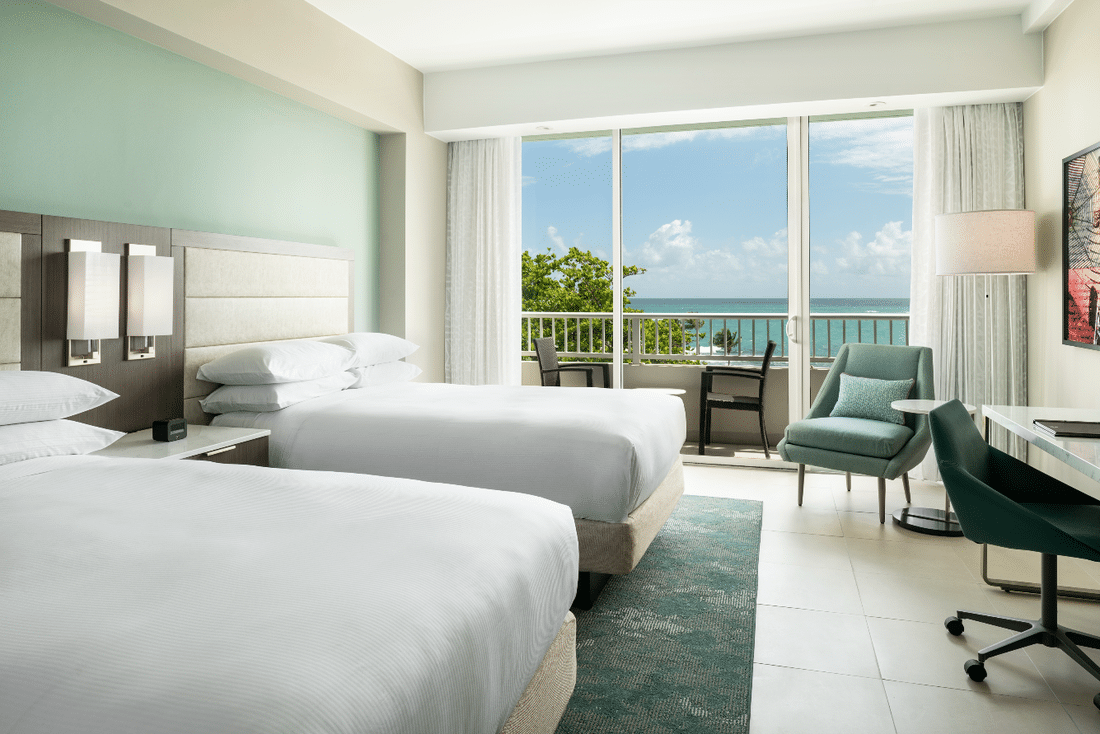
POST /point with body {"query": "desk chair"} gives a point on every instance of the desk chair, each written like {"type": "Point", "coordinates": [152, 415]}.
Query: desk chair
{"type": "Point", "coordinates": [710, 399]}
{"type": "Point", "coordinates": [550, 369]}
{"type": "Point", "coordinates": [1003, 501]}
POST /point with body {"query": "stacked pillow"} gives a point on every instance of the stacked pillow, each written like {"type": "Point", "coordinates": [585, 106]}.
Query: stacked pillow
{"type": "Point", "coordinates": [377, 357]}
{"type": "Point", "coordinates": [32, 408]}
{"type": "Point", "coordinates": [269, 377]}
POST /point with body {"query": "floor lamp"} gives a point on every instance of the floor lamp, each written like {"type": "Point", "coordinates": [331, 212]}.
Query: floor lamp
{"type": "Point", "coordinates": [997, 242]}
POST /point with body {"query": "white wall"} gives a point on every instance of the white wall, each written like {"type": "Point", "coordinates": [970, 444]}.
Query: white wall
{"type": "Point", "coordinates": [945, 63]}
{"type": "Point", "coordinates": [1059, 120]}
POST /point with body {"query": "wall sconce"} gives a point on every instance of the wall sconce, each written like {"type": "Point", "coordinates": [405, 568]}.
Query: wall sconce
{"type": "Point", "coordinates": [149, 281]}
{"type": "Point", "coordinates": [93, 300]}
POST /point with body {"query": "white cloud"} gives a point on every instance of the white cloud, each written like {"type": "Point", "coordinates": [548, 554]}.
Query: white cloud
{"type": "Point", "coordinates": [776, 246]}
{"type": "Point", "coordinates": [887, 254]}
{"type": "Point", "coordinates": [674, 252]}
{"type": "Point", "coordinates": [552, 233]}
{"type": "Point", "coordinates": [528, 180]}
{"type": "Point", "coordinates": [883, 145]}
{"type": "Point", "coordinates": [588, 147]}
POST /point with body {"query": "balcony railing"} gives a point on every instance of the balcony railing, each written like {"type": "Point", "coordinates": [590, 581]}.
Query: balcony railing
{"type": "Point", "coordinates": [698, 337]}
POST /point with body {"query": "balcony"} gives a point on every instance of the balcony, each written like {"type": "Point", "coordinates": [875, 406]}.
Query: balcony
{"type": "Point", "coordinates": [670, 349]}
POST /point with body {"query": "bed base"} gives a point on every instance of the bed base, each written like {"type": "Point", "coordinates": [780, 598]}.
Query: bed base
{"type": "Point", "coordinates": [616, 547]}
{"type": "Point", "coordinates": [543, 702]}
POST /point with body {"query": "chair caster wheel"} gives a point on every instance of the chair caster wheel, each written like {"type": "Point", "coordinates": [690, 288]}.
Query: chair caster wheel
{"type": "Point", "coordinates": [1096, 700]}
{"type": "Point", "coordinates": [975, 670]}
{"type": "Point", "coordinates": [954, 625]}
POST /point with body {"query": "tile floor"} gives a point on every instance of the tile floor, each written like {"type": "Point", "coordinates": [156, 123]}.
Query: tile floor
{"type": "Point", "coordinates": [850, 634]}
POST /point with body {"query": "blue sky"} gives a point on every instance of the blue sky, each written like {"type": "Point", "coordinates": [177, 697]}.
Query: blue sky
{"type": "Point", "coordinates": [704, 211]}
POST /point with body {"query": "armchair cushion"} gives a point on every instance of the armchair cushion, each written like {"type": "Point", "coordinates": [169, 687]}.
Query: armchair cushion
{"type": "Point", "coordinates": [866, 397]}
{"type": "Point", "coordinates": [860, 436]}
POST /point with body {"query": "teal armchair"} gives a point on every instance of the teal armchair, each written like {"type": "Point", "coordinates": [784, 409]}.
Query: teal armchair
{"type": "Point", "coordinates": [861, 445]}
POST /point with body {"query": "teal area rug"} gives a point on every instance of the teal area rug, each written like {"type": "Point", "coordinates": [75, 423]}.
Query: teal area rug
{"type": "Point", "coordinates": [668, 647]}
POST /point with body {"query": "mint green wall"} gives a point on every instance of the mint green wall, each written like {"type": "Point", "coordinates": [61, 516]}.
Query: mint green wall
{"type": "Point", "coordinates": [96, 124]}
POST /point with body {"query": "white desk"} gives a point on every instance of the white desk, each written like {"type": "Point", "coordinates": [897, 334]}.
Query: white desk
{"type": "Point", "coordinates": [1083, 454]}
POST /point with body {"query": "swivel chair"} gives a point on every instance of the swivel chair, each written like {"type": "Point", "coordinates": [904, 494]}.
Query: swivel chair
{"type": "Point", "coordinates": [1002, 501]}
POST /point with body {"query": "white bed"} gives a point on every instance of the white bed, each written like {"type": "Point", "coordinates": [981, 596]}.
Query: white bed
{"type": "Point", "coordinates": [601, 452]}
{"type": "Point", "coordinates": [176, 596]}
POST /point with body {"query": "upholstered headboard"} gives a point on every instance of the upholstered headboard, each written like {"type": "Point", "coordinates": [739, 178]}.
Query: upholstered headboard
{"type": "Point", "coordinates": [11, 275]}
{"type": "Point", "coordinates": [240, 291]}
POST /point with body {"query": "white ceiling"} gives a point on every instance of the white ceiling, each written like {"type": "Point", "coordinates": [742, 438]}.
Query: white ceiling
{"type": "Point", "coordinates": [437, 35]}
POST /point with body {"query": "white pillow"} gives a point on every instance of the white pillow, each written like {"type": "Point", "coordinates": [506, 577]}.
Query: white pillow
{"type": "Point", "coordinates": [267, 398]}
{"type": "Point", "coordinates": [384, 374]}
{"type": "Point", "coordinates": [29, 396]}
{"type": "Point", "coordinates": [374, 348]}
{"type": "Point", "coordinates": [266, 364]}
{"type": "Point", "coordinates": [22, 441]}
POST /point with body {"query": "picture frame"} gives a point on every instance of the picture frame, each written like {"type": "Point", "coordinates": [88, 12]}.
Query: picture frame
{"type": "Point", "coordinates": [1081, 248]}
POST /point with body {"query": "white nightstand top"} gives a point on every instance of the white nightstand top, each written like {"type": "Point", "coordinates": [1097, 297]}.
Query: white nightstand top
{"type": "Point", "coordinates": [199, 440]}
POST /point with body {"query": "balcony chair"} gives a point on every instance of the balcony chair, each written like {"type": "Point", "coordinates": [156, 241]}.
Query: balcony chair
{"type": "Point", "coordinates": [851, 426]}
{"type": "Point", "coordinates": [710, 399]}
{"type": "Point", "coordinates": [550, 369]}
{"type": "Point", "coordinates": [1003, 501]}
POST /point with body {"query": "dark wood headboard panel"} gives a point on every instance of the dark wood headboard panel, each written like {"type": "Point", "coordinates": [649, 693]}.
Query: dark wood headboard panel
{"type": "Point", "coordinates": [148, 390]}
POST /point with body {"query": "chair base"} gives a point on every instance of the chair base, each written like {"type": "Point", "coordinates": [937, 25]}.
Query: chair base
{"type": "Point", "coordinates": [1044, 631]}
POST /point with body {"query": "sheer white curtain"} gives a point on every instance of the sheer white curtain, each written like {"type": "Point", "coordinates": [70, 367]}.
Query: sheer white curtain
{"type": "Point", "coordinates": [969, 158]}
{"type": "Point", "coordinates": [482, 329]}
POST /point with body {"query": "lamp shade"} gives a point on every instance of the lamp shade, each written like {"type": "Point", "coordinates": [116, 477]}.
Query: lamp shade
{"type": "Point", "coordinates": [149, 295]}
{"type": "Point", "coordinates": [998, 241]}
{"type": "Point", "coordinates": [93, 295]}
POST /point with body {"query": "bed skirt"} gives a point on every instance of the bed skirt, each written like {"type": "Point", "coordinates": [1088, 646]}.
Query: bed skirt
{"type": "Point", "coordinates": [609, 547]}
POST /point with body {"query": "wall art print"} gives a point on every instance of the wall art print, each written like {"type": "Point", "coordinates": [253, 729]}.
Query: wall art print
{"type": "Point", "coordinates": [1081, 248]}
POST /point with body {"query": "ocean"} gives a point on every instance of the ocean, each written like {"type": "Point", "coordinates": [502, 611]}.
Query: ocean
{"type": "Point", "coordinates": [828, 333]}
{"type": "Point", "coordinates": [769, 305]}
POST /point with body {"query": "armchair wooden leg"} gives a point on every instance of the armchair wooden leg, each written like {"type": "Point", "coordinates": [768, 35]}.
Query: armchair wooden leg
{"type": "Point", "coordinates": [881, 501]}
{"type": "Point", "coordinates": [801, 481]}
{"type": "Point", "coordinates": [848, 480]}
{"type": "Point", "coordinates": [905, 484]}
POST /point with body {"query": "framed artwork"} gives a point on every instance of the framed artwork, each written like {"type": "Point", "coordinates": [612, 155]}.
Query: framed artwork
{"type": "Point", "coordinates": [1081, 248]}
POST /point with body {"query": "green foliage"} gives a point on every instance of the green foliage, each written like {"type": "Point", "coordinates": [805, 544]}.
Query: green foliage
{"type": "Point", "coordinates": [726, 340]}
{"type": "Point", "coordinates": [577, 282]}
{"type": "Point", "coordinates": [580, 282]}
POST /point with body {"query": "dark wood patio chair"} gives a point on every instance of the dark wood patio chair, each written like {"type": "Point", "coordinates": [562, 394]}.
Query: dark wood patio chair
{"type": "Point", "coordinates": [709, 399]}
{"type": "Point", "coordinates": [551, 369]}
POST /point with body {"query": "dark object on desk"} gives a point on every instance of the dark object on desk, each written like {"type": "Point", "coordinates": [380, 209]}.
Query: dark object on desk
{"type": "Point", "coordinates": [551, 369]}
{"type": "Point", "coordinates": [710, 399]}
{"type": "Point", "coordinates": [172, 429]}
{"type": "Point", "coordinates": [1003, 501]}
{"type": "Point", "coordinates": [1068, 429]}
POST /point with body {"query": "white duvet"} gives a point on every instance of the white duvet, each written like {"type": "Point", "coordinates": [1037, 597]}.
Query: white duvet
{"type": "Point", "coordinates": [179, 596]}
{"type": "Point", "coordinates": [601, 452]}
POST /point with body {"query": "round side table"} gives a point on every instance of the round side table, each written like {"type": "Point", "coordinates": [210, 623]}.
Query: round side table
{"type": "Point", "coordinates": [928, 520]}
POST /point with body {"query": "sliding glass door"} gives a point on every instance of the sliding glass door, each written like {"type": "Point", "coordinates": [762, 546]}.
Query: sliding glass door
{"type": "Point", "coordinates": [709, 240]}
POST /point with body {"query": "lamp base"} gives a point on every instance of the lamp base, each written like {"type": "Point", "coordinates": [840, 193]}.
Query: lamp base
{"type": "Point", "coordinates": [928, 521]}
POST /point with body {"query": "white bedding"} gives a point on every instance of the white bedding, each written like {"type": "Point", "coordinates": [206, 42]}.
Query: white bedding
{"type": "Point", "coordinates": [601, 452]}
{"type": "Point", "coordinates": [185, 596]}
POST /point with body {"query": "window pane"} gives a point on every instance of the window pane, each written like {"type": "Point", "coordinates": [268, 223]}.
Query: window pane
{"type": "Point", "coordinates": [567, 241]}
{"type": "Point", "coordinates": [705, 231]}
{"type": "Point", "coordinates": [861, 230]}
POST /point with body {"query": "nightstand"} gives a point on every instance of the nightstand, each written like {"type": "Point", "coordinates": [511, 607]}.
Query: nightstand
{"type": "Point", "coordinates": [222, 444]}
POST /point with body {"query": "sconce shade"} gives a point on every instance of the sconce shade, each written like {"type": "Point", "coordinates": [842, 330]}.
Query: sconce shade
{"type": "Point", "coordinates": [93, 295]}
{"type": "Point", "coordinates": [1000, 241]}
{"type": "Point", "coordinates": [149, 295]}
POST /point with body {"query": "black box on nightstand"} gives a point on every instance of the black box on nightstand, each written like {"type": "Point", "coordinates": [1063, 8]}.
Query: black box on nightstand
{"type": "Point", "coordinates": [172, 429]}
